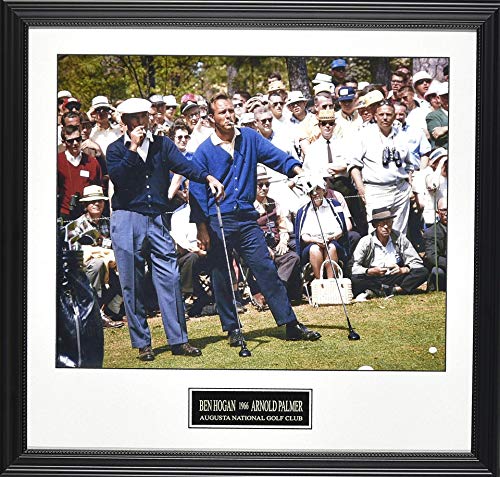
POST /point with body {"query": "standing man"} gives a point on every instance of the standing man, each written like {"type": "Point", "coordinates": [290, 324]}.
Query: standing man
{"type": "Point", "coordinates": [232, 154]}
{"type": "Point", "coordinates": [139, 165]}
{"type": "Point", "coordinates": [337, 69]}
{"type": "Point", "coordinates": [75, 171]}
{"type": "Point", "coordinates": [380, 166]}
{"type": "Point", "coordinates": [348, 119]}
{"type": "Point", "coordinates": [421, 82]}
{"type": "Point", "coordinates": [437, 121]}
{"type": "Point", "coordinates": [436, 239]}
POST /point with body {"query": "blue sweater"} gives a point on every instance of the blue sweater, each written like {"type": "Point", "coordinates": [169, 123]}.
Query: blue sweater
{"type": "Point", "coordinates": [143, 186]}
{"type": "Point", "coordinates": [239, 175]}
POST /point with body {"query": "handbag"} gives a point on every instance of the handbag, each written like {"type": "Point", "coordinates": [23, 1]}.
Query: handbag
{"type": "Point", "coordinates": [324, 291]}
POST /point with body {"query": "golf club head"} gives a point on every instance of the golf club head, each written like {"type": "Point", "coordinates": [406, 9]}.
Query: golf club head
{"type": "Point", "coordinates": [353, 336]}
{"type": "Point", "coordinates": [245, 352]}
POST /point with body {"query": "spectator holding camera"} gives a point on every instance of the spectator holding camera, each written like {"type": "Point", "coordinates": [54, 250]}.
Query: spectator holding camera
{"type": "Point", "coordinates": [380, 166]}
{"type": "Point", "coordinates": [75, 171]}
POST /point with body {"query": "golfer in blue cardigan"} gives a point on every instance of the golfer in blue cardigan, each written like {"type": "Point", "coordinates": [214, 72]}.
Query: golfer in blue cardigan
{"type": "Point", "coordinates": [231, 155]}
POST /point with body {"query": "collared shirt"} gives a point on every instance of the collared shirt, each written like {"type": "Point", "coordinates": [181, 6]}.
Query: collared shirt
{"type": "Point", "coordinates": [228, 146]}
{"type": "Point", "coordinates": [384, 256]}
{"type": "Point", "coordinates": [104, 137]}
{"type": "Point", "coordinates": [417, 142]}
{"type": "Point", "coordinates": [329, 224]}
{"type": "Point", "coordinates": [316, 158]}
{"type": "Point", "coordinates": [367, 154]}
{"type": "Point", "coordinates": [347, 126]}
{"type": "Point", "coordinates": [72, 159]}
{"type": "Point", "coordinates": [143, 149]}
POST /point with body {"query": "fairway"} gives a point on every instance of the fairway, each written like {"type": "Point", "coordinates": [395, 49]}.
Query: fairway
{"type": "Point", "coordinates": [396, 335]}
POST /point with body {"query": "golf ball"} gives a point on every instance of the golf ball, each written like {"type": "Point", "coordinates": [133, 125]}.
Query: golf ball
{"type": "Point", "coordinates": [365, 368]}
{"type": "Point", "coordinates": [432, 350]}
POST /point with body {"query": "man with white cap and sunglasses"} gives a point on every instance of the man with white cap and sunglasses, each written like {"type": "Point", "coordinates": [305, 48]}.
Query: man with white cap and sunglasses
{"type": "Point", "coordinates": [139, 165]}
{"type": "Point", "coordinates": [103, 133]}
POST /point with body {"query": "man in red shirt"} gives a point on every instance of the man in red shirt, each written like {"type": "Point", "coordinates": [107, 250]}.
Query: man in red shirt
{"type": "Point", "coordinates": [75, 171]}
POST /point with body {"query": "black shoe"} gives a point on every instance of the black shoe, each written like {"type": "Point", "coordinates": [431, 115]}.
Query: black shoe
{"type": "Point", "coordinates": [146, 353]}
{"type": "Point", "coordinates": [185, 349]}
{"type": "Point", "coordinates": [301, 332]}
{"type": "Point", "coordinates": [236, 338]}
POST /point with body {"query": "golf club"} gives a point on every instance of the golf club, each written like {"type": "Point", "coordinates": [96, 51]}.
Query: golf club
{"type": "Point", "coordinates": [244, 351]}
{"type": "Point", "coordinates": [353, 336]}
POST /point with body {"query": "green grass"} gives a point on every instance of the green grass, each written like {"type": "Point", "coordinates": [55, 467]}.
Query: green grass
{"type": "Point", "coordinates": [395, 335]}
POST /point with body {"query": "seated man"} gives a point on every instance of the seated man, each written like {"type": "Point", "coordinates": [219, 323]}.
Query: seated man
{"type": "Point", "coordinates": [190, 258]}
{"type": "Point", "coordinates": [274, 223]}
{"type": "Point", "coordinates": [385, 259]}
{"type": "Point", "coordinates": [334, 229]}
{"type": "Point", "coordinates": [99, 260]}
{"type": "Point", "coordinates": [435, 238]}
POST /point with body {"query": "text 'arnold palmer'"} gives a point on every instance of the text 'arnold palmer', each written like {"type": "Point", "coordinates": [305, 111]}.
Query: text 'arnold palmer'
{"type": "Point", "coordinates": [258, 405]}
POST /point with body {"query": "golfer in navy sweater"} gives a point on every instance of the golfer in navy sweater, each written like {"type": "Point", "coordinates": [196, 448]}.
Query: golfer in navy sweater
{"type": "Point", "coordinates": [231, 155]}
{"type": "Point", "coordinates": [139, 165]}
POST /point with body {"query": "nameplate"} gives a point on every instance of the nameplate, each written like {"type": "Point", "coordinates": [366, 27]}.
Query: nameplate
{"type": "Point", "coordinates": [250, 408]}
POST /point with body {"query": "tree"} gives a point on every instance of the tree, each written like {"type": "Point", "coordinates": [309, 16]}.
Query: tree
{"type": "Point", "coordinates": [297, 74]}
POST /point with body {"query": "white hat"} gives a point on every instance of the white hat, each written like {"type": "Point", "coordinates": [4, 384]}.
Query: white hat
{"type": "Point", "coordinates": [420, 76]}
{"type": "Point", "coordinates": [370, 98]}
{"type": "Point", "coordinates": [362, 85]}
{"type": "Point", "coordinates": [100, 102]}
{"type": "Point", "coordinates": [295, 97]}
{"type": "Point", "coordinates": [442, 88]}
{"type": "Point", "coordinates": [157, 99]}
{"type": "Point", "coordinates": [321, 78]}
{"type": "Point", "coordinates": [324, 86]}
{"type": "Point", "coordinates": [316, 180]}
{"type": "Point", "coordinates": [170, 100]}
{"type": "Point", "coordinates": [63, 94]}
{"type": "Point", "coordinates": [247, 118]}
{"type": "Point", "coordinates": [134, 105]}
{"type": "Point", "coordinates": [437, 154]}
{"type": "Point", "coordinates": [93, 192]}
{"type": "Point", "coordinates": [262, 174]}
{"type": "Point", "coordinates": [433, 88]}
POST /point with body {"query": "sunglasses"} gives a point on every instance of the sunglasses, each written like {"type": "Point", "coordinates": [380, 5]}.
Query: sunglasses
{"type": "Point", "coordinates": [260, 185]}
{"type": "Point", "coordinates": [180, 137]}
{"type": "Point", "coordinates": [237, 105]}
{"type": "Point", "coordinates": [279, 103]}
{"type": "Point", "coordinates": [171, 107]}
{"type": "Point", "coordinates": [327, 123]}
{"type": "Point", "coordinates": [73, 106]}
{"type": "Point", "coordinates": [419, 82]}
{"type": "Point", "coordinates": [102, 111]}
{"type": "Point", "coordinates": [266, 120]}
{"type": "Point", "coordinates": [73, 139]}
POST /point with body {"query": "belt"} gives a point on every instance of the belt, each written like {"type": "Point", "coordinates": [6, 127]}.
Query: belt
{"type": "Point", "coordinates": [393, 183]}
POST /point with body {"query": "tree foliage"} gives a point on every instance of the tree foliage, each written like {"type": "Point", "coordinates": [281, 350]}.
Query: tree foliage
{"type": "Point", "coordinates": [124, 76]}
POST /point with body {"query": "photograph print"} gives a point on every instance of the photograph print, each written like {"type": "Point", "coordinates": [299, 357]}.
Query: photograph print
{"type": "Point", "coordinates": [236, 212]}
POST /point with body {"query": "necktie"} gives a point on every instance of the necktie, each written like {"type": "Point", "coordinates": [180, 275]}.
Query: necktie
{"type": "Point", "coordinates": [329, 151]}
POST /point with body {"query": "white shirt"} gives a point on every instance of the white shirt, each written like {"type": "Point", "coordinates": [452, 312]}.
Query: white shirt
{"type": "Point", "coordinates": [367, 155]}
{"type": "Point", "coordinates": [184, 233]}
{"type": "Point", "coordinates": [228, 146]}
{"type": "Point", "coordinates": [75, 161]}
{"type": "Point", "coordinates": [143, 149]}
{"type": "Point", "coordinates": [329, 224]}
{"type": "Point", "coordinates": [316, 158]}
{"type": "Point", "coordinates": [104, 137]}
{"type": "Point", "coordinates": [385, 257]}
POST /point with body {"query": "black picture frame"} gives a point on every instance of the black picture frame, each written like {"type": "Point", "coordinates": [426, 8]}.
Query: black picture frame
{"type": "Point", "coordinates": [18, 17]}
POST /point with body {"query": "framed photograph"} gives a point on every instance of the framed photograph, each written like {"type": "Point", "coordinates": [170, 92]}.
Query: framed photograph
{"type": "Point", "coordinates": [441, 421]}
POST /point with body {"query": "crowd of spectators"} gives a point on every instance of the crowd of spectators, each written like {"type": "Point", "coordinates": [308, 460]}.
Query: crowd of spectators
{"type": "Point", "coordinates": [377, 159]}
